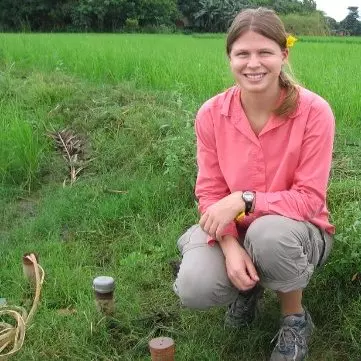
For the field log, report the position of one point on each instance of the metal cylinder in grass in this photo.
(104, 294)
(162, 349)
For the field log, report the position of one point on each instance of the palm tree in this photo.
(215, 15)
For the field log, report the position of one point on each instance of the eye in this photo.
(265, 52)
(242, 54)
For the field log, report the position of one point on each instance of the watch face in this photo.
(248, 196)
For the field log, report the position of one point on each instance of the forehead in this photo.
(253, 40)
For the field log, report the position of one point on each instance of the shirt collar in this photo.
(229, 105)
(232, 96)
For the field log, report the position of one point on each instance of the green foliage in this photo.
(332, 24)
(111, 15)
(293, 6)
(351, 24)
(188, 7)
(84, 15)
(215, 16)
(157, 12)
(131, 24)
(312, 24)
(21, 151)
(309, 5)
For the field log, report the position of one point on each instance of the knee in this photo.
(194, 290)
(270, 241)
(204, 288)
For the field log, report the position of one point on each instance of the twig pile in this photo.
(72, 148)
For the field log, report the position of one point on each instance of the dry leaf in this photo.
(355, 277)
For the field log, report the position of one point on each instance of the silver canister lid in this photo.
(103, 284)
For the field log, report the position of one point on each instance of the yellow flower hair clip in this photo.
(290, 41)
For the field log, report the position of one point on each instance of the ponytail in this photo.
(290, 102)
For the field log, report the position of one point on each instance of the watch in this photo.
(248, 198)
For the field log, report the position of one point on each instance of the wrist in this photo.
(228, 243)
(238, 201)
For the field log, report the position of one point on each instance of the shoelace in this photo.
(287, 336)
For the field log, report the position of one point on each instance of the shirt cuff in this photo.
(261, 204)
(230, 229)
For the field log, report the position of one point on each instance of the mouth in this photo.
(255, 76)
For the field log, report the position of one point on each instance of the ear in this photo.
(285, 54)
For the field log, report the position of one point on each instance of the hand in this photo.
(221, 213)
(240, 268)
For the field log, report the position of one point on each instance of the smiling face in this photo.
(256, 62)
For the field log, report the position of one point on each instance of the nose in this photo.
(253, 61)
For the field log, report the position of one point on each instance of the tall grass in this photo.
(193, 66)
(196, 68)
(21, 150)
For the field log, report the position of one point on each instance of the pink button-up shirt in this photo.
(287, 164)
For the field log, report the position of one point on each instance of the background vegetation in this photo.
(162, 16)
(132, 99)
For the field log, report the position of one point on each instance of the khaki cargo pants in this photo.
(284, 251)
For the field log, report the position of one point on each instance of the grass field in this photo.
(132, 98)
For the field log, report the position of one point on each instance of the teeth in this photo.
(255, 76)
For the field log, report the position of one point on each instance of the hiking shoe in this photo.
(293, 337)
(174, 265)
(243, 310)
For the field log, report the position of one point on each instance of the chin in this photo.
(253, 89)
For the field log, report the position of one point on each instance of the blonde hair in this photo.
(266, 22)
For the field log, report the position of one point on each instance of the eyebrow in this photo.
(247, 50)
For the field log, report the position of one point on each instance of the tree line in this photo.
(152, 15)
(348, 26)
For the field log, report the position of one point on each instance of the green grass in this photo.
(132, 98)
(189, 65)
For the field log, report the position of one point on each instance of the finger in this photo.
(219, 231)
(243, 279)
(247, 283)
(251, 270)
(210, 226)
(213, 229)
(203, 220)
(242, 285)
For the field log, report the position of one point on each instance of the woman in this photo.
(264, 149)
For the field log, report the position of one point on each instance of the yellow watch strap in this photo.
(240, 216)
